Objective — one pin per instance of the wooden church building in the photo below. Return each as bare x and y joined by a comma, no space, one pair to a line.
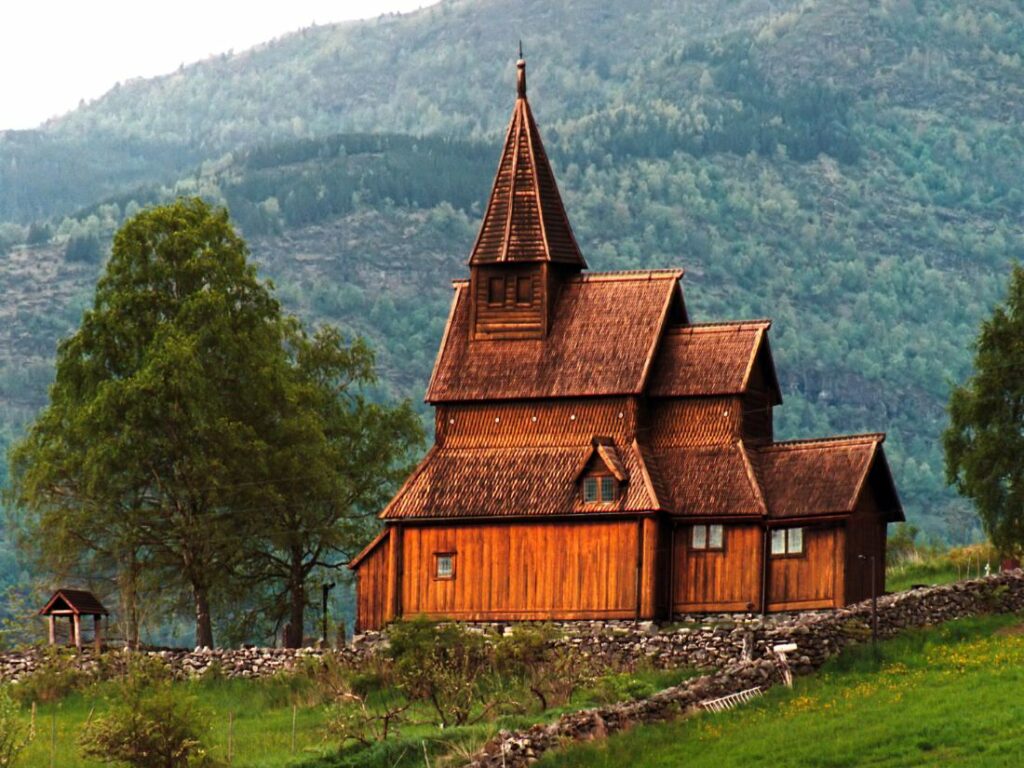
600,456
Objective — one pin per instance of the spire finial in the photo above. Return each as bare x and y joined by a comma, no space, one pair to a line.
521,73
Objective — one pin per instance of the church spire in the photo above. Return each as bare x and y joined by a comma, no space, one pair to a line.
525,219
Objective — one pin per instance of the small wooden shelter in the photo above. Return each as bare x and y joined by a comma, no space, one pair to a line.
74,604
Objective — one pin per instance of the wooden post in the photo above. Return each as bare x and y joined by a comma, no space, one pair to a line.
392,609
53,629
76,627
649,568
97,635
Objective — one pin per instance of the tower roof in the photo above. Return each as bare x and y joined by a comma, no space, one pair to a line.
525,219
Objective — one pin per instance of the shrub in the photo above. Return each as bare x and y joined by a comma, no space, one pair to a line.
446,666
366,705
56,676
148,725
14,734
551,673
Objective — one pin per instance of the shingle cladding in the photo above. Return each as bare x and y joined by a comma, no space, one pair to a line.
806,478
603,337
616,374
706,360
502,482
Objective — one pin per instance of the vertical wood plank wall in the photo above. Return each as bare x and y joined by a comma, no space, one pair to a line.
512,571
865,532
371,589
809,580
718,580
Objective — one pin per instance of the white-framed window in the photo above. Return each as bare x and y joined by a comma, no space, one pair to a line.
444,565
787,541
707,537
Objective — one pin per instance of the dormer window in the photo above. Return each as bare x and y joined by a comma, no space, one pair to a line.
600,489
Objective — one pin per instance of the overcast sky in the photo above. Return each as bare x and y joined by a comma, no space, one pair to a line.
55,52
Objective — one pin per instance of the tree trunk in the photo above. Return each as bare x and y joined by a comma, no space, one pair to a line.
129,583
204,627
296,601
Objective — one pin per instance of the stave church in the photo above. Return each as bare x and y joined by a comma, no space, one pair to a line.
598,455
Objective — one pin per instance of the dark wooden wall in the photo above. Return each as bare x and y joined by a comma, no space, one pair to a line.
758,421
865,535
523,570
372,588
510,319
813,579
718,580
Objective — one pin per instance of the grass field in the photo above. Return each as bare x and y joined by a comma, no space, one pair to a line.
949,695
261,725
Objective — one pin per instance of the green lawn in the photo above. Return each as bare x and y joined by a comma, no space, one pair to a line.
930,572
949,695
262,724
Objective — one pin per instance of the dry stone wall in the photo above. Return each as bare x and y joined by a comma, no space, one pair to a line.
744,652
738,648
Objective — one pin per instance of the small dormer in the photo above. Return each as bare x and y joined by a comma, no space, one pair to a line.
603,479
525,245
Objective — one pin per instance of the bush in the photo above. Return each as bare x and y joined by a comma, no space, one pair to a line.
365,704
148,725
446,666
56,676
14,734
552,673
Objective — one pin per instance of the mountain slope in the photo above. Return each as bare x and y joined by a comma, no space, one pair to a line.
849,168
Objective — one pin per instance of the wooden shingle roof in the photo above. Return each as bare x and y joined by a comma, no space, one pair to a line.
604,333
78,601
525,220
715,481
808,478
713,359
512,482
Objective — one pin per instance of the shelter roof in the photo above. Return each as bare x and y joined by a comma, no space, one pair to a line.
77,601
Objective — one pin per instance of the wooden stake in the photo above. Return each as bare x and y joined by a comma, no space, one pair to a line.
295,708
231,733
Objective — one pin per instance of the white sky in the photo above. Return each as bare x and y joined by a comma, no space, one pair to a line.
55,52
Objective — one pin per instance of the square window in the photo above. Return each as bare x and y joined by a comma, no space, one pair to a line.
524,290
608,489
715,537
795,545
590,489
445,566
699,537
779,541
496,290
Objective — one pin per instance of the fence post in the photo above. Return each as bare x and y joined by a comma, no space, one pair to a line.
295,708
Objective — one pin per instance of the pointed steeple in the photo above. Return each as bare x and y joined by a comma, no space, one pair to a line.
525,219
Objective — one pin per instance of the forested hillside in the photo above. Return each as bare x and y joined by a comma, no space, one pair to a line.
848,168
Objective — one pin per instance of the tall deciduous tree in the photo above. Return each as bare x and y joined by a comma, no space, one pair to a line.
155,435
336,459
984,442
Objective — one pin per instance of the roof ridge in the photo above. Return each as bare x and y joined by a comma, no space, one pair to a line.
722,325
862,437
626,274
